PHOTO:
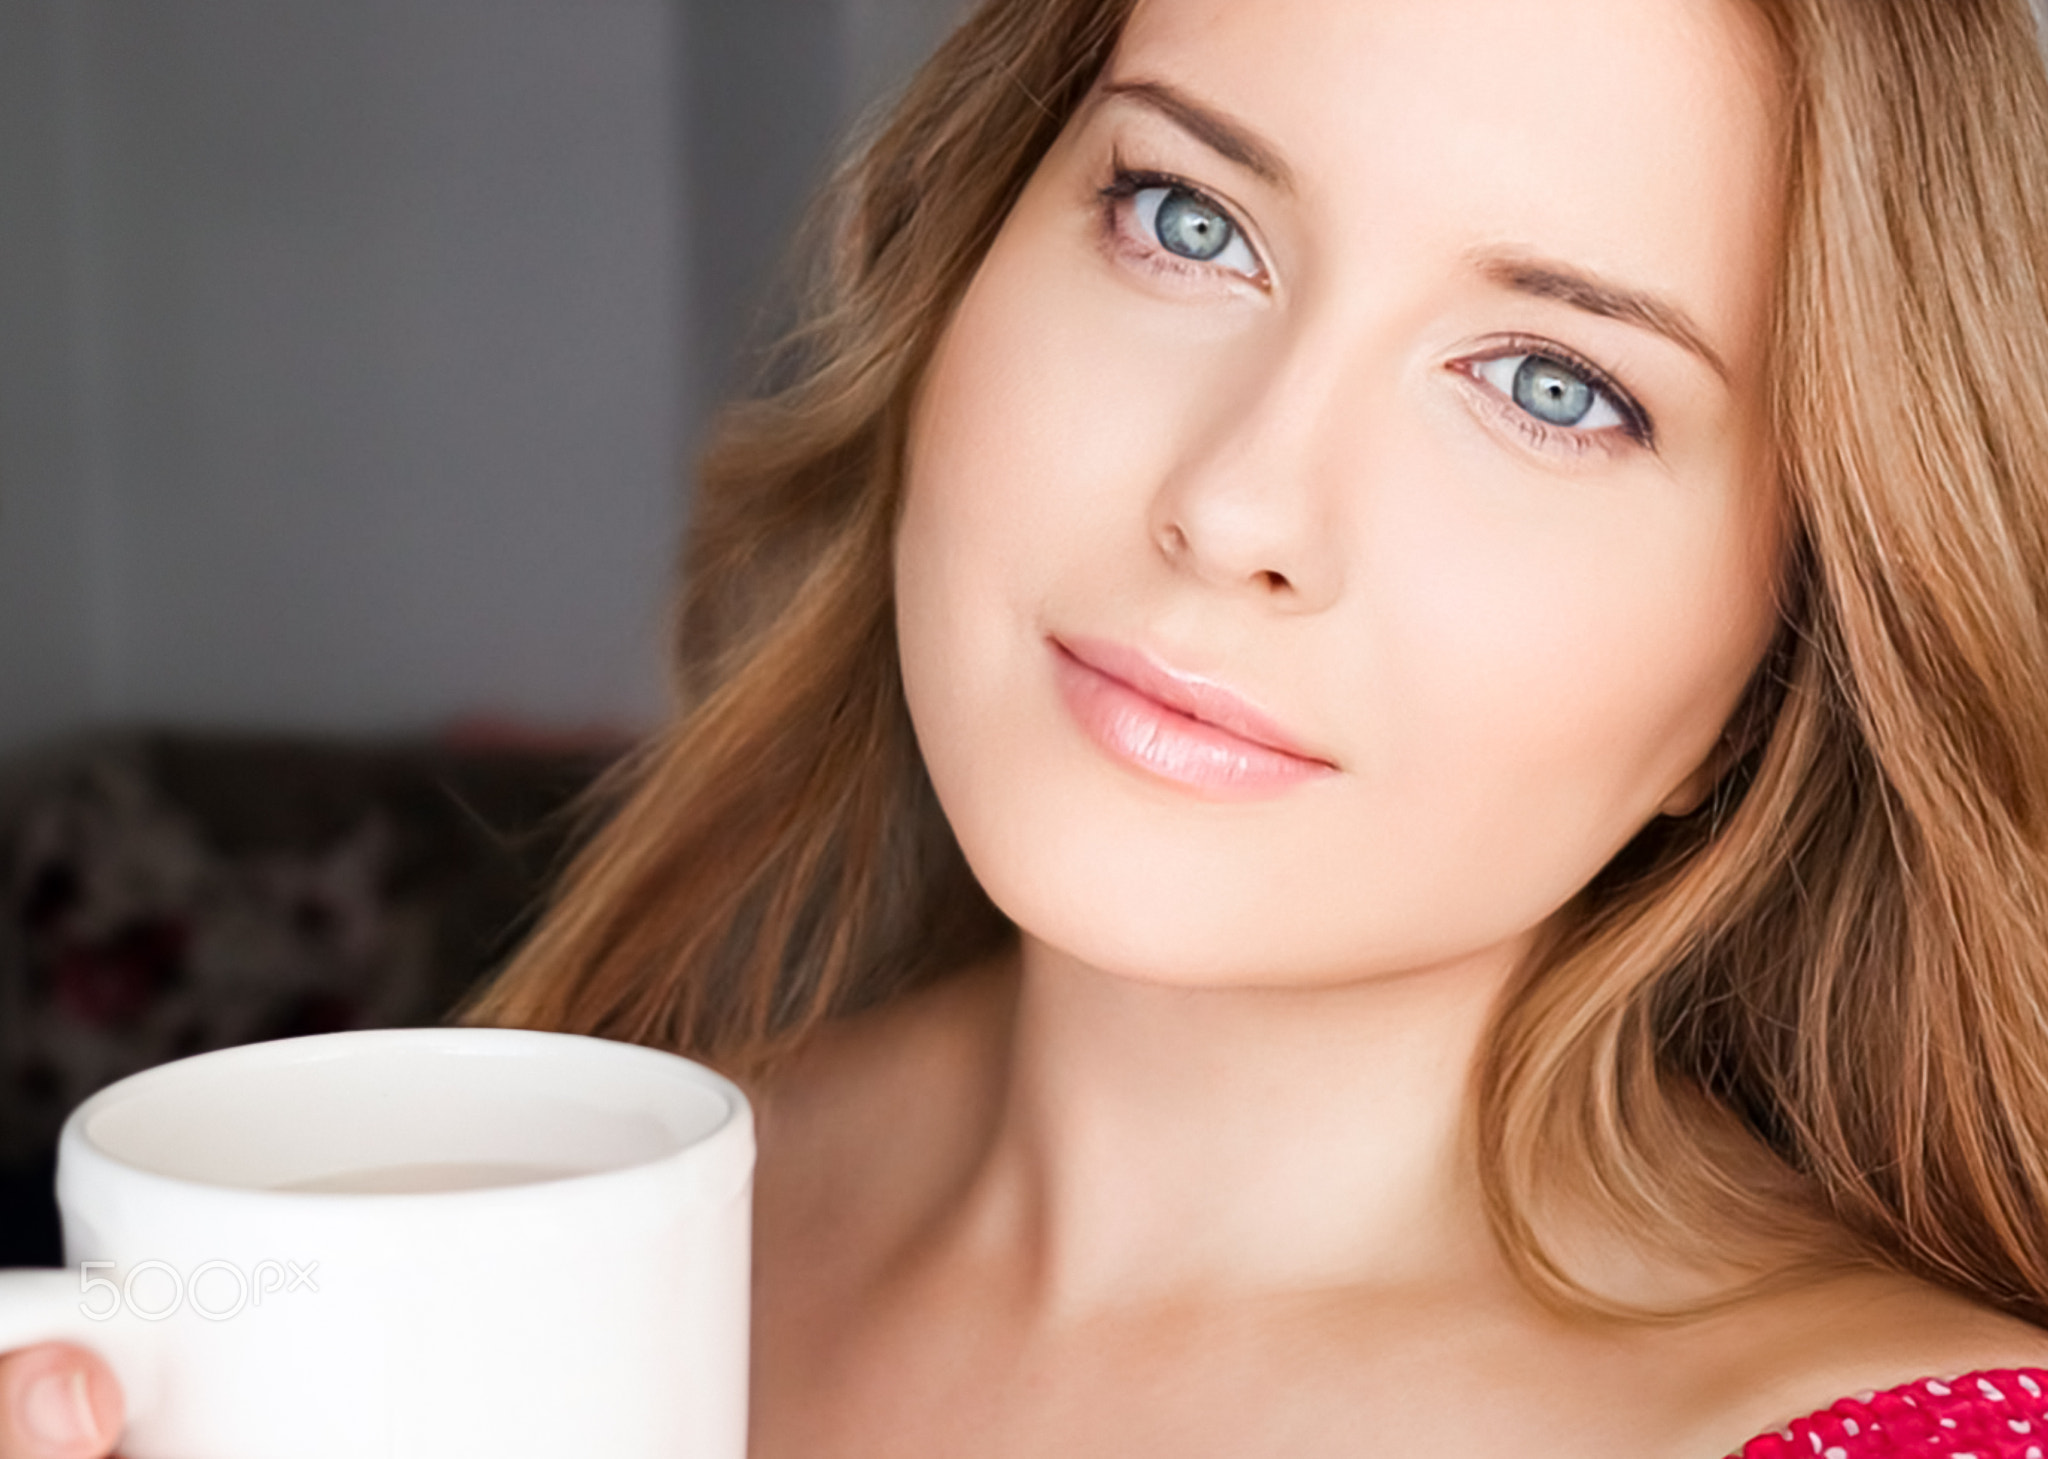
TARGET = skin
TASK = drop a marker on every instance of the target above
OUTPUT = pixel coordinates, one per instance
(1192, 1167)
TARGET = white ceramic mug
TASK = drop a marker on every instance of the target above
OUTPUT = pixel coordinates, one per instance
(410, 1242)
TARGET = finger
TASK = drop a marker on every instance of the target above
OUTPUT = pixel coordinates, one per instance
(58, 1401)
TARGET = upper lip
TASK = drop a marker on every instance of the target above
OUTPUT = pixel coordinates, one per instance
(1191, 694)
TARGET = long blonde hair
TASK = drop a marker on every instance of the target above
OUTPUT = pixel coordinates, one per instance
(1845, 949)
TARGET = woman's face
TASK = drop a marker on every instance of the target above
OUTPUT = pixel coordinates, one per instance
(1339, 514)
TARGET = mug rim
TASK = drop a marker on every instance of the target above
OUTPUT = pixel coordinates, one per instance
(717, 1164)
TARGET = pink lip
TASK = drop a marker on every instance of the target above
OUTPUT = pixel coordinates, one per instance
(1176, 725)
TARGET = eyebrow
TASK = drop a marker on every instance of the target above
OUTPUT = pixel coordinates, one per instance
(1229, 139)
(1546, 280)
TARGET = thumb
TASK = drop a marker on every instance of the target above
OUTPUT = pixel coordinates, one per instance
(57, 1401)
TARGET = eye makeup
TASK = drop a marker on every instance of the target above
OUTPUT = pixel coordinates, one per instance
(1132, 239)
(1634, 429)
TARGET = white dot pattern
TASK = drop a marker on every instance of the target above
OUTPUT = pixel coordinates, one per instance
(1988, 1415)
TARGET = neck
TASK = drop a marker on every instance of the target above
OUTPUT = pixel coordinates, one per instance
(1155, 1142)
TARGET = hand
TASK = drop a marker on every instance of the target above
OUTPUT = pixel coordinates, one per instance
(58, 1401)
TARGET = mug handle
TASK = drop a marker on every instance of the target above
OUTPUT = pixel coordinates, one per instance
(44, 1304)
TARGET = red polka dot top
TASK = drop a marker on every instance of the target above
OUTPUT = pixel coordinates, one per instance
(1996, 1414)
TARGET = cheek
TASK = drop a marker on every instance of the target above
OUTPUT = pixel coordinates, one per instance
(1607, 652)
(1027, 429)
(1561, 663)
(1040, 428)
(978, 486)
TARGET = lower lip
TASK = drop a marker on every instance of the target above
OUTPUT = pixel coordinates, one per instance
(1142, 732)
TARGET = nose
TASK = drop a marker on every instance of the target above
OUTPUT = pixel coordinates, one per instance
(1251, 505)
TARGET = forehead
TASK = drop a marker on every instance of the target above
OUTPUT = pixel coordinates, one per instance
(1637, 137)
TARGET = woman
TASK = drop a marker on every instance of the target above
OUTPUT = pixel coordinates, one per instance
(1366, 766)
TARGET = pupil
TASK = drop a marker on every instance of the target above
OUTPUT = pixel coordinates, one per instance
(1189, 227)
(1552, 393)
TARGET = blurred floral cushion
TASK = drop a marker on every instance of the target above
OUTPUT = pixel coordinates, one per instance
(171, 893)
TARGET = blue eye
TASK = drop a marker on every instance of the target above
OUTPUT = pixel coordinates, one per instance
(1551, 393)
(1560, 395)
(1187, 225)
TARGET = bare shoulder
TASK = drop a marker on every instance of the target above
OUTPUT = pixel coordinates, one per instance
(1799, 1353)
(858, 1130)
(885, 1067)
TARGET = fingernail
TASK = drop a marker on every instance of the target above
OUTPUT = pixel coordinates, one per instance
(58, 1410)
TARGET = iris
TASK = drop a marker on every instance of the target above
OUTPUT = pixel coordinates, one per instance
(1551, 392)
(1190, 227)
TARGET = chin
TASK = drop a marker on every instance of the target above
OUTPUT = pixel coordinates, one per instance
(1185, 936)
(1202, 911)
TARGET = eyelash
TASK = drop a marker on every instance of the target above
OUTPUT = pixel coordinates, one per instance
(1124, 185)
(1636, 426)
(1127, 182)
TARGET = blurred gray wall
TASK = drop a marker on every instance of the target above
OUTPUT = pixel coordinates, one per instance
(771, 89)
(351, 350)
(49, 665)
